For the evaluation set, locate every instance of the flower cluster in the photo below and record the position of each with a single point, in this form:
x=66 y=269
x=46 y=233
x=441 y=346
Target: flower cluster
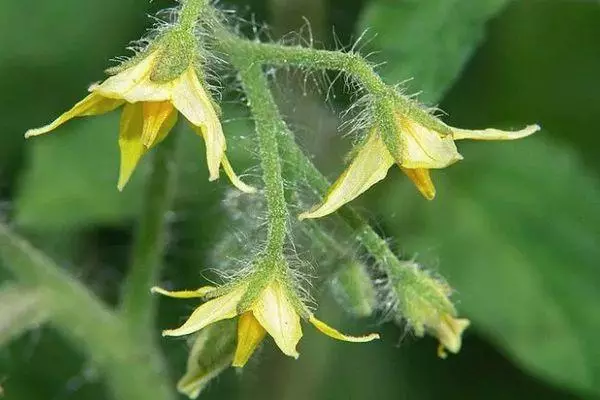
x=168 y=80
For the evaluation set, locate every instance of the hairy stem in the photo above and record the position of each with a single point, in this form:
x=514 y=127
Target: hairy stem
x=138 y=305
x=82 y=318
x=254 y=55
x=190 y=12
x=268 y=127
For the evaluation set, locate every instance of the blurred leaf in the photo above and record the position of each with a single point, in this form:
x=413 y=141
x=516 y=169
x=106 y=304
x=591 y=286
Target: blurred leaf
x=429 y=41
x=516 y=227
x=20 y=310
x=57 y=30
x=71 y=178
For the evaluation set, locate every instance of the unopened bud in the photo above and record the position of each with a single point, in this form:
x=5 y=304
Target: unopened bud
x=212 y=352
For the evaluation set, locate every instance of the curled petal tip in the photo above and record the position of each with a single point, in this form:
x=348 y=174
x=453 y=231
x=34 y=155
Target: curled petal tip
x=534 y=128
x=303 y=216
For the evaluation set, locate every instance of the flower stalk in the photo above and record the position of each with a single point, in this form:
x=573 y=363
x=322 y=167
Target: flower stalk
x=149 y=246
x=191 y=12
x=268 y=127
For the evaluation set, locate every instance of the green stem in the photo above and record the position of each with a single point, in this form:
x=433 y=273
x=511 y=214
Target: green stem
x=190 y=13
x=255 y=54
x=138 y=305
x=82 y=317
x=268 y=127
x=386 y=100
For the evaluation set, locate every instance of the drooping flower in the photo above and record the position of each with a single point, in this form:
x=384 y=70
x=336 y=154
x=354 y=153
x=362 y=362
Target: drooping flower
x=273 y=310
x=150 y=111
x=420 y=149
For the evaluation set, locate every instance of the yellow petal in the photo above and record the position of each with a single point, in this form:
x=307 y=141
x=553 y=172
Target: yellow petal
x=134 y=84
x=448 y=331
x=422 y=180
x=425 y=148
x=190 y=98
x=130 y=141
x=250 y=335
x=369 y=166
x=183 y=294
x=278 y=316
x=93 y=104
x=193 y=101
x=220 y=308
x=493 y=134
x=331 y=332
x=143 y=125
x=234 y=178
x=159 y=119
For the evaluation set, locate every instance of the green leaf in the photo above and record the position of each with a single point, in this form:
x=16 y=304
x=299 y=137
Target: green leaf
x=515 y=229
x=72 y=178
x=429 y=41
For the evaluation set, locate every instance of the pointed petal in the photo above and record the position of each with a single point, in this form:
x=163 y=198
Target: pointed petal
x=278 y=316
x=422 y=180
x=159 y=119
x=183 y=294
x=218 y=309
x=449 y=331
x=215 y=149
x=130 y=141
x=190 y=98
x=134 y=84
x=93 y=104
x=193 y=101
x=250 y=335
x=425 y=148
x=334 y=333
x=493 y=134
x=369 y=166
x=234 y=178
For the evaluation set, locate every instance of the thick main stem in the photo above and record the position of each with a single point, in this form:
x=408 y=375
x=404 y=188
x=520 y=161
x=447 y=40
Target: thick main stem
x=268 y=127
x=138 y=305
x=81 y=317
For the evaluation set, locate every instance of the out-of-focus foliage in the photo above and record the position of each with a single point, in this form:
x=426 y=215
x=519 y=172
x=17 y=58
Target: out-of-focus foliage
x=514 y=227
x=60 y=191
x=521 y=251
x=427 y=42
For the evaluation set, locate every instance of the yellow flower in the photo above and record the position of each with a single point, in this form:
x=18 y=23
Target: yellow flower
x=421 y=149
x=274 y=311
x=150 y=112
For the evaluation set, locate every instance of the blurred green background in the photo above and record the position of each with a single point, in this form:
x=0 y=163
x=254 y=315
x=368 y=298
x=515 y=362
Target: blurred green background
x=515 y=228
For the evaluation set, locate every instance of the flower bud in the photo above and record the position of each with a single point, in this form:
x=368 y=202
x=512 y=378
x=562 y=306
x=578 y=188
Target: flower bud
x=353 y=289
x=424 y=302
x=211 y=353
